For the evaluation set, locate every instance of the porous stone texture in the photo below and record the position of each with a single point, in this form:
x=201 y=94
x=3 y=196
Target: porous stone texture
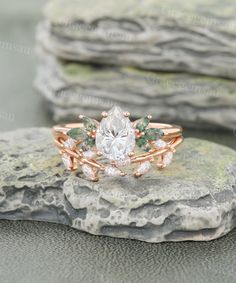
x=194 y=199
x=70 y=88
x=192 y=36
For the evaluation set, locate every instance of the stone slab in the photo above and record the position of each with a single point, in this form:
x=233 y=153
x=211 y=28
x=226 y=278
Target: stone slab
x=193 y=200
x=70 y=88
x=189 y=36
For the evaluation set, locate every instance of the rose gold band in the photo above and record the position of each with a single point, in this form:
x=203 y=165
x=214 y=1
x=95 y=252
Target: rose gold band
x=172 y=136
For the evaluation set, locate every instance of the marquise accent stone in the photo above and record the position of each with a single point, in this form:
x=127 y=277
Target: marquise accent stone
x=124 y=162
x=77 y=134
x=167 y=159
x=153 y=134
x=69 y=143
x=144 y=167
x=66 y=161
x=89 y=154
x=88 y=171
x=112 y=171
x=160 y=144
x=115 y=136
x=142 y=123
x=89 y=124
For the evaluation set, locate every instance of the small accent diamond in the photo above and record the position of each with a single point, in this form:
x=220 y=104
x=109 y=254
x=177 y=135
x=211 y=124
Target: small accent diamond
x=88 y=171
x=89 y=154
x=67 y=161
x=160 y=144
x=124 y=162
x=167 y=158
x=112 y=171
x=69 y=143
x=144 y=167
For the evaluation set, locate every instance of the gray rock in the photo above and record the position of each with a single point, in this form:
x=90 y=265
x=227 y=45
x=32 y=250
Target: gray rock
x=194 y=37
x=197 y=101
x=194 y=199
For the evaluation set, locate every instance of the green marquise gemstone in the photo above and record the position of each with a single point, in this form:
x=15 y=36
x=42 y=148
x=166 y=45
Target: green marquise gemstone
x=89 y=141
x=87 y=144
x=77 y=134
x=143 y=144
x=89 y=124
x=152 y=134
x=146 y=147
x=142 y=124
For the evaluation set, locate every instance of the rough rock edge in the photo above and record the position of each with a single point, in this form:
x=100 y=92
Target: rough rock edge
x=35 y=192
x=177 y=49
x=204 y=103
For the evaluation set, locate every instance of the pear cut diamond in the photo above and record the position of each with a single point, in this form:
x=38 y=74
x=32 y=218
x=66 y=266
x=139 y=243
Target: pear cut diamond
x=115 y=136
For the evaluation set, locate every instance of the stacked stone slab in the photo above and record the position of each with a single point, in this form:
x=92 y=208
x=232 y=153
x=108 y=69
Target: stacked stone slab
x=175 y=61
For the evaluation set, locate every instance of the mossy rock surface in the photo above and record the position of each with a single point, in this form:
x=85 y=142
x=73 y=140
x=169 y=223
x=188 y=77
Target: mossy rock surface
x=197 y=101
x=194 y=199
x=188 y=36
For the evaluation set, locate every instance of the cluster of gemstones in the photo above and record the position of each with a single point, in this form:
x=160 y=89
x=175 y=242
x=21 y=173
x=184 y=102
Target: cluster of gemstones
x=85 y=134
x=85 y=141
x=145 y=135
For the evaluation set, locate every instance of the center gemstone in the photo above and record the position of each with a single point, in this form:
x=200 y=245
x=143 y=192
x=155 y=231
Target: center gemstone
x=115 y=136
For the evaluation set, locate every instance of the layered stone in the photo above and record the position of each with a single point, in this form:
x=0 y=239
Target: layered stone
x=115 y=136
x=189 y=201
x=71 y=88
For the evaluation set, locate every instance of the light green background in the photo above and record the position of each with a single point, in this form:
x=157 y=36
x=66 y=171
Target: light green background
x=42 y=252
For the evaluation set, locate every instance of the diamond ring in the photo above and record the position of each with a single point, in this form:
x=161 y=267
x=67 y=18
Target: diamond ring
x=116 y=146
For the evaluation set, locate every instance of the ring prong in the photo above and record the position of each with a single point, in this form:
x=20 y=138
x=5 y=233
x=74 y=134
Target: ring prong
x=161 y=165
x=95 y=179
x=137 y=174
x=74 y=167
x=131 y=154
x=149 y=117
x=81 y=117
x=126 y=114
x=104 y=114
x=122 y=174
x=99 y=153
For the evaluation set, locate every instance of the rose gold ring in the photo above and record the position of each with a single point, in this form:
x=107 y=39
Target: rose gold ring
x=116 y=146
